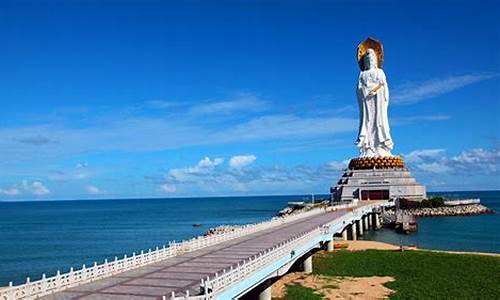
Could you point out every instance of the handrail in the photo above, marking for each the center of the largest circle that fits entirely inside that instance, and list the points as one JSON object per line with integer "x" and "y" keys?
{"x": 222, "y": 281}
{"x": 59, "y": 282}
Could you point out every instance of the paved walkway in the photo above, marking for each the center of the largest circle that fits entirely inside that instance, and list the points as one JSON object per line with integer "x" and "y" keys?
{"x": 184, "y": 272}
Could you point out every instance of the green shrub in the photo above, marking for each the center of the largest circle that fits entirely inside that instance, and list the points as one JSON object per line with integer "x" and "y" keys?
{"x": 431, "y": 202}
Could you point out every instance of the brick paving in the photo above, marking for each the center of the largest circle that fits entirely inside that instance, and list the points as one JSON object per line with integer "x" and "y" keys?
{"x": 184, "y": 272}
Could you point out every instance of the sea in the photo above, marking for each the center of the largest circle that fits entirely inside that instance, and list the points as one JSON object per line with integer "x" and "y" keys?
{"x": 45, "y": 236}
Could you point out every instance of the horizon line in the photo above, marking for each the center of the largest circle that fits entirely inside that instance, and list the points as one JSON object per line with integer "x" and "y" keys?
{"x": 209, "y": 197}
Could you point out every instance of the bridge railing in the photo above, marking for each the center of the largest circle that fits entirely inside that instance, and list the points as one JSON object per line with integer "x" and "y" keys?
{"x": 221, "y": 281}
{"x": 59, "y": 282}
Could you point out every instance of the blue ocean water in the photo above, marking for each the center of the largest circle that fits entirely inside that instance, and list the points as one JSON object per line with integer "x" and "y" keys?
{"x": 462, "y": 233}
{"x": 38, "y": 237}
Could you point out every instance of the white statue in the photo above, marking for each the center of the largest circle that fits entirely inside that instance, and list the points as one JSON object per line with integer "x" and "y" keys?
{"x": 374, "y": 138}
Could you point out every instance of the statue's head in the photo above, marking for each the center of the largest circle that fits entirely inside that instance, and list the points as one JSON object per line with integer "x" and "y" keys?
{"x": 370, "y": 59}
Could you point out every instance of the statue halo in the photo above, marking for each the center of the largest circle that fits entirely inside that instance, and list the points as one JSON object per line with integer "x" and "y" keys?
{"x": 376, "y": 46}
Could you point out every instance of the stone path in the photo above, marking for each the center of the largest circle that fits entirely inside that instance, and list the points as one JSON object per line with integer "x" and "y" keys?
{"x": 184, "y": 272}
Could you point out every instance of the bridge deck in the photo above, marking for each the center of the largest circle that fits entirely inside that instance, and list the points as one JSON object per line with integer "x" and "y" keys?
{"x": 184, "y": 272}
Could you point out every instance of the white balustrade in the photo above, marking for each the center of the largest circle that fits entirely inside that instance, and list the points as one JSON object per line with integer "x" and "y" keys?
{"x": 221, "y": 282}
{"x": 59, "y": 282}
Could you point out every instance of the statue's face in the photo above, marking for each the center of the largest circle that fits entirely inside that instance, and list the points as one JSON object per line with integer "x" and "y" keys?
{"x": 370, "y": 59}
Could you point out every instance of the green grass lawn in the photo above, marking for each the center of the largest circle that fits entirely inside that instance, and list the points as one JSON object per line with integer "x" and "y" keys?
{"x": 298, "y": 292}
{"x": 419, "y": 274}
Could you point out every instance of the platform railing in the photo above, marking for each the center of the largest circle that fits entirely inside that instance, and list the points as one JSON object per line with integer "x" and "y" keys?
{"x": 48, "y": 285}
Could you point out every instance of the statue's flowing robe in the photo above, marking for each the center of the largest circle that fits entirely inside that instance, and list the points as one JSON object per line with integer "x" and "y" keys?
{"x": 374, "y": 138}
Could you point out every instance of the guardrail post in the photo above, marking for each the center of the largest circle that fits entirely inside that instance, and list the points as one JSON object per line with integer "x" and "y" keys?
{"x": 10, "y": 295}
{"x": 44, "y": 282}
{"x": 84, "y": 272}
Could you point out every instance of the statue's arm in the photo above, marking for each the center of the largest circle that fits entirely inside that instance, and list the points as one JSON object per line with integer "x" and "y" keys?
{"x": 362, "y": 90}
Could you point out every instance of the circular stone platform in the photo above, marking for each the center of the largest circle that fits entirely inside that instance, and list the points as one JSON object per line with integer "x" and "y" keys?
{"x": 386, "y": 162}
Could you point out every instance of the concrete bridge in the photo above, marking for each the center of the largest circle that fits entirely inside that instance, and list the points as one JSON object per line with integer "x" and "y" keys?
{"x": 241, "y": 264}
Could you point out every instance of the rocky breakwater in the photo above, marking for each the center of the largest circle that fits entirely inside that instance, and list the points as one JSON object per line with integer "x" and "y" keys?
{"x": 223, "y": 229}
{"x": 458, "y": 210}
{"x": 300, "y": 207}
{"x": 292, "y": 208}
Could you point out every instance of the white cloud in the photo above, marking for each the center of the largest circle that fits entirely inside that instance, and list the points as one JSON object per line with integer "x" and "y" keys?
{"x": 203, "y": 167}
{"x": 114, "y": 132}
{"x": 168, "y": 188}
{"x": 9, "y": 191}
{"x": 434, "y": 167}
{"x": 161, "y": 104}
{"x": 244, "y": 103}
{"x": 285, "y": 127}
{"x": 77, "y": 174}
{"x": 35, "y": 188}
{"x": 416, "y": 92}
{"x": 258, "y": 179}
{"x": 81, "y": 165}
{"x": 207, "y": 163}
{"x": 418, "y": 156}
{"x": 92, "y": 189}
{"x": 337, "y": 165}
{"x": 413, "y": 119}
{"x": 240, "y": 161}
{"x": 475, "y": 161}
{"x": 81, "y": 175}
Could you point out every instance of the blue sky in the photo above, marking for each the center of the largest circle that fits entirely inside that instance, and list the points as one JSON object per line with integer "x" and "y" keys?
{"x": 102, "y": 99}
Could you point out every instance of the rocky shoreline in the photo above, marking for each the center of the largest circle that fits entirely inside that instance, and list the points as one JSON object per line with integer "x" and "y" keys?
{"x": 292, "y": 209}
{"x": 222, "y": 229}
{"x": 458, "y": 210}
{"x": 440, "y": 211}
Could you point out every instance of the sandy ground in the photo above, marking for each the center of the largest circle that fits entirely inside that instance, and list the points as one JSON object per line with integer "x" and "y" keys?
{"x": 463, "y": 252}
{"x": 365, "y": 245}
{"x": 336, "y": 288}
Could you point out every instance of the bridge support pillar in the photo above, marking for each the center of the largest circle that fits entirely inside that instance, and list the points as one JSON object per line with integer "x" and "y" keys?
{"x": 376, "y": 220}
{"x": 266, "y": 293}
{"x": 360, "y": 226}
{"x": 308, "y": 264}
{"x": 354, "y": 231}
{"x": 369, "y": 218}
{"x": 365, "y": 223}
{"x": 344, "y": 234}
{"x": 329, "y": 245}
